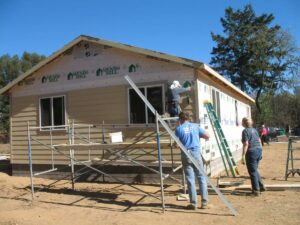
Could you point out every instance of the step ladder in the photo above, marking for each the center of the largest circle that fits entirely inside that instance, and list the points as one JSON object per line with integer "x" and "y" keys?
{"x": 221, "y": 141}
{"x": 182, "y": 147}
{"x": 290, "y": 157}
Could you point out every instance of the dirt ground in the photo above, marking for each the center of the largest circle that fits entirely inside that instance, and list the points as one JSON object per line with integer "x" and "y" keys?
{"x": 112, "y": 204}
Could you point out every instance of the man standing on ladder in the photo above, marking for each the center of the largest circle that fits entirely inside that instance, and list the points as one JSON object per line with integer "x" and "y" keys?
{"x": 189, "y": 134}
{"x": 174, "y": 98}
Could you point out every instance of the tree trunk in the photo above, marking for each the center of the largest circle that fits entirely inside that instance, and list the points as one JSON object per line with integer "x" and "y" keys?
{"x": 257, "y": 102}
{"x": 242, "y": 84}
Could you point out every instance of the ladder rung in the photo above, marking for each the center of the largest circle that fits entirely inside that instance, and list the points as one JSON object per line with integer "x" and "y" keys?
{"x": 221, "y": 139}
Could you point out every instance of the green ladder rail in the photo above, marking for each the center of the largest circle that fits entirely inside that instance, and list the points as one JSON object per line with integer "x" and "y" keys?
{"x": 290, "y": 157}
{"x": 221, "y": 141}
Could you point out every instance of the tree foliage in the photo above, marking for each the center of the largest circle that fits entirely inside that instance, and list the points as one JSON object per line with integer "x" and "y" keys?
{"x": 279, "y": 109}
{"x": 10, "y": 68}
{"x": 253, "y": 54}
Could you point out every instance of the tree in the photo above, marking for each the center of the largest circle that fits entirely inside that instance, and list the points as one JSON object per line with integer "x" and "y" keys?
{"x": 11, "y": 68}
{"x": 257, "y": 57}
{"x": 279, "y": 109}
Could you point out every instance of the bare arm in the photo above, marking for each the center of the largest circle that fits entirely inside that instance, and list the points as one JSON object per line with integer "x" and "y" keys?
{"x": 245, "y": 147}
{"x": 205, "y": 135}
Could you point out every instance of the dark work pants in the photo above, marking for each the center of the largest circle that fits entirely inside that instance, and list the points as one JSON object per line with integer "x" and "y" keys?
{"x": 252, "y": 160}
{"x": 174, "y": 109}
{"x": 264, "y": 139}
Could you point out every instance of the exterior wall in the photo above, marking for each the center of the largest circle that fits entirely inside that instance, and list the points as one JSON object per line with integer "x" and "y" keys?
{"x": 90, "y": 77}
{"x": 92, "y": 106}
{"x": 95, "y": 92}
{"x": 103, "y": 67}
{"x": 23, "y": 110}
{"x": 81, "y": 109}
{"x": 230, "y": 120}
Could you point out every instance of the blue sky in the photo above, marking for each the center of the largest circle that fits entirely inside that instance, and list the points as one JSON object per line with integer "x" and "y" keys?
{"x": 177, "y": 27}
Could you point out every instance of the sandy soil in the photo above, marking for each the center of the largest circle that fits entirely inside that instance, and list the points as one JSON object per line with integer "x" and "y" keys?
{"x": 112, "y": 204}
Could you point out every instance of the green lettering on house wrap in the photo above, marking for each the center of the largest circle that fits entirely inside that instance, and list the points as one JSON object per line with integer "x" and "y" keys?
{"x": 77, "y": 74}
{"x": 106, "y": 71}
{"x": 50, "y": 78}
{"x": 28, "y": 81}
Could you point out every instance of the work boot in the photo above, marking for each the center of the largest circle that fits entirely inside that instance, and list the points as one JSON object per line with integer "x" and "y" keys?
{"x": 263, "y": 188}
{"x": 191, "y": 207}
{"x": 204, "y": 206}
{"x": 255, "y": 193}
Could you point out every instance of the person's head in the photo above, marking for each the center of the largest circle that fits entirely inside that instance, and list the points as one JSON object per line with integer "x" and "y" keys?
{"x": 247, "y": 122}
{"x": 184, "y": 116}
{"x": 175, "y": 84}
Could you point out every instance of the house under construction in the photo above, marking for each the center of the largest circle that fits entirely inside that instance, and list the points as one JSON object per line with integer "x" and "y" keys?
{"x": 82, "y": 87}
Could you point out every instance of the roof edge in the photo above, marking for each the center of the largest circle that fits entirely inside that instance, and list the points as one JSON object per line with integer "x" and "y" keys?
{"x": 143, "y": 51}
{"x": 225, "y": 81}
{"x": 160, "y": 55}
{"x": 40, "y": 65}
{"x": 187, "y": 62}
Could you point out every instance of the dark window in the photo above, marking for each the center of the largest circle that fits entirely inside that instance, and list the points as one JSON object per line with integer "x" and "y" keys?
{"x": 216, "y": 103}
{"x": 248, "y": 112}
{"x": 137, "y": 107}
{"x": 138, "y": 113}
{"x": 52, "y": 112}
{"x": 45, "y": 112}
{"x": 214, "y": 100}
{"x": 155, "y": 97}
{"x": 236, "y": 113}
{"x": 58, "y": 111}
{"x": 218, "y": 106}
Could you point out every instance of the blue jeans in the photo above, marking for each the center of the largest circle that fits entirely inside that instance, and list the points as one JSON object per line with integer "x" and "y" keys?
{"x": 174, "y": 109}
{"x": 191, "y": 172}
{"x": 252, "y": 160}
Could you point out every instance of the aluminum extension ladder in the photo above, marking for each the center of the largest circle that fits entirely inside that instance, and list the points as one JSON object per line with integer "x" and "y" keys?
{"x": 290, "y": 157}
{"x": 182, "y": 147}
{"x": 221, "y": 141}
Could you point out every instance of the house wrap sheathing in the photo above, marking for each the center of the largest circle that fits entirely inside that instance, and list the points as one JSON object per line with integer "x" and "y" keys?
{"x": 84, "y": 83}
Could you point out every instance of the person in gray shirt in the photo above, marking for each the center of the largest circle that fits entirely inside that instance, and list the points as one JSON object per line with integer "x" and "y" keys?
{"x": 252, "y": 154}
{"x": 174, "y": 98}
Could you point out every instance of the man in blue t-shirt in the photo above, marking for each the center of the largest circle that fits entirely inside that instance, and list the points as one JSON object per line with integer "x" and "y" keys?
{"x": 189, "y": 134}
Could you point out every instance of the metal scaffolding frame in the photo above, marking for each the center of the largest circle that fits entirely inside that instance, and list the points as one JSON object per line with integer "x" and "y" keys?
{"x": 182, "y": 147}
{"x": 124, "y": 155}
{"x": 75, "y": 140}
{"x": 290, "y": 169}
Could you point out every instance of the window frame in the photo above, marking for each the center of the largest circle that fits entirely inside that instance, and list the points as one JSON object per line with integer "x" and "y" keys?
{"x": 216, "y": 98}
{"x": 52, "y": 114}
{"x": 236, "y": 110}
{"x": 146, "y": 110}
